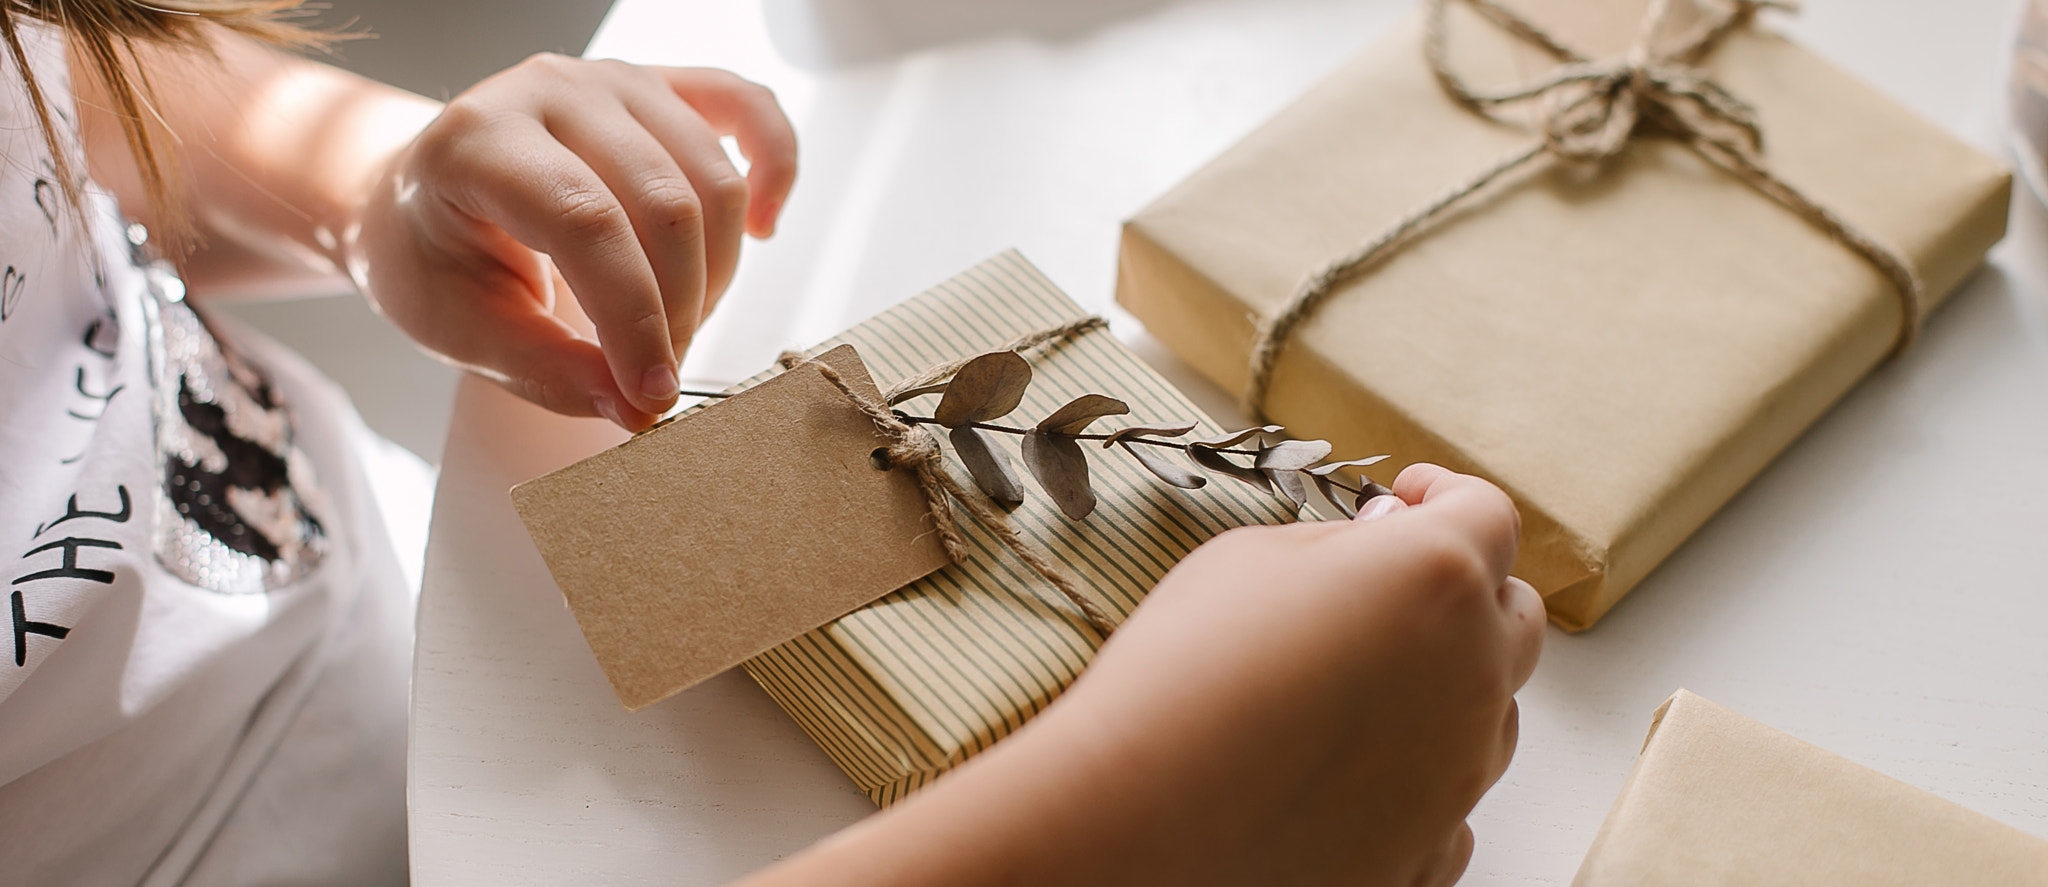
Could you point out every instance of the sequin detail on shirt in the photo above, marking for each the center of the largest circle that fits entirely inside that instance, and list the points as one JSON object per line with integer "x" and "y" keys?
{"x": 236, "y": 507}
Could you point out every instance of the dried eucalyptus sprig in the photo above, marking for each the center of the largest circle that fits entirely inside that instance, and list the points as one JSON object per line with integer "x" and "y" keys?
{"x": 992, "y": 386}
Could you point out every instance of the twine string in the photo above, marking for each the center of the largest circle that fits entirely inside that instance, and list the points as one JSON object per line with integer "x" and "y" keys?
{"x": 1590, "y": 113}
{"x": 915, "y": 448}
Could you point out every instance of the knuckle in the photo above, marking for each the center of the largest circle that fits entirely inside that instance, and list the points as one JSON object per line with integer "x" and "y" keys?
{"x": 1471, "y": 785}
{"x": 539, "y": 389}
{"x": 650, "y": 323}
{"x": 736, "y": 87}
{"x": 718, "y": 78}
{"x": 1450, "y": 564}
{"x": 754, "y": 92}
{"x": 1503, "y": 506}
{"x": 465, "y": 112}
{"x": 673, "y": 206}
{"x": 441, "y": 142}
{"x": 728, "y": 191}
{"x": 591, "y": 216}
{"x": 648, "y": 76}
{"x": 549, "y": 62}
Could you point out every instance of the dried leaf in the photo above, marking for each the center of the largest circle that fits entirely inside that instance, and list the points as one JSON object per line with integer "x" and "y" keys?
{"x": 1369, "y": 491}
{"x": 1075, "y": 416}
{"x": 1166, "y": 470}
{"x": 1230, "y": 439}
{"x": 1062, "y": 470}
{"x": 990, "y": 467}
{"x": 1218, "y": 463}
{"x": 1328, "y": 468}
{"x": 987, "y": 388}
{"x": 1338, "y": 496}
{"x": 1287, "y": 483}
{"x": 1121, "y": 434}
{"x": 1291, "y": 455}
{"x": 934, "y": 388}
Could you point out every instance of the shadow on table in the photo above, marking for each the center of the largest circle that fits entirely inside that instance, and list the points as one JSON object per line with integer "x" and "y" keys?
{"x": 836, "y": 33}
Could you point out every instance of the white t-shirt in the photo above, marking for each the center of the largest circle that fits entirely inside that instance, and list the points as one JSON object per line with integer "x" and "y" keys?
{"x": 203, "y": 672}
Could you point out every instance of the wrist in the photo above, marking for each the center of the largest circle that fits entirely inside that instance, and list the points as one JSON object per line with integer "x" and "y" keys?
{"x": 361, "y": 214}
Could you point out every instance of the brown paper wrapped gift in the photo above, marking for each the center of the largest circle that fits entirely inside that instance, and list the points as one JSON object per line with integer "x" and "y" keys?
{"x": 1718, "y": 799}
{"x": 1621, "y": 345}
{"x": 901, "y": 690}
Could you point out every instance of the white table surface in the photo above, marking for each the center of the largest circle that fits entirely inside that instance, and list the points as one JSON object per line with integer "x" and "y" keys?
{"x": 1879, "y": 591}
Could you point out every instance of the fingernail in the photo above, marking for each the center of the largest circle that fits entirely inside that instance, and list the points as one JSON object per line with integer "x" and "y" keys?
{"x": 660, "y": 383}
{"x": 607, "y": 409}
{"x": 1379, "y": 507}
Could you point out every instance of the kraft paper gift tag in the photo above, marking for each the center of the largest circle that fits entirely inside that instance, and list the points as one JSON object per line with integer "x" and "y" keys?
{"x": 1621, "y": 348}
{"x": 1719, "y": 800}
{"x": 692, "y": 548}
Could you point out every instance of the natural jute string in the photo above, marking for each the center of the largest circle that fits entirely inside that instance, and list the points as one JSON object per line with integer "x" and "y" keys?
{"x": 915, "y": 448}
{"x": 1591, "y": 111}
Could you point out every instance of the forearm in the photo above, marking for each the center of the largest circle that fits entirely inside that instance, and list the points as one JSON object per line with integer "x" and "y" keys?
{"x": 1091, "y": 792}
{"x": 275, "y": 156}
{"x": 1007, "y": 817}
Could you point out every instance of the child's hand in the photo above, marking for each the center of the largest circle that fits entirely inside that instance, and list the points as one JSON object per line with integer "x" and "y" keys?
{"x": 1321, "y": 703}
{"x": 613, "y": 171}
{"x": 1313, "y": 704}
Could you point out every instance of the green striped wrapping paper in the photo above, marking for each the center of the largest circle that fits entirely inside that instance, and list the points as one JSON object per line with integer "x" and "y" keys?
{"x": 901, "y": 690}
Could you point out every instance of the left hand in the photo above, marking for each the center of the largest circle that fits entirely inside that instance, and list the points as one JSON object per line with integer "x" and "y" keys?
{"x": 601, "y": 179}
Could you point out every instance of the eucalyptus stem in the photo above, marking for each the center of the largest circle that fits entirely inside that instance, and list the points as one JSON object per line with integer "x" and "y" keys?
{"x": 1020, "y": 432}
{"x": 1169, "y": 444}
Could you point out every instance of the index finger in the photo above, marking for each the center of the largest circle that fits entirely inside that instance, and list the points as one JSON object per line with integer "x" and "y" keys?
{"x": 544, "y": 196}
{"x": 749, "y": 113}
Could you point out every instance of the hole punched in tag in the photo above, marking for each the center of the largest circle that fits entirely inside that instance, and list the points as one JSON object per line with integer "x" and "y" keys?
{"x": 880, "y": 459}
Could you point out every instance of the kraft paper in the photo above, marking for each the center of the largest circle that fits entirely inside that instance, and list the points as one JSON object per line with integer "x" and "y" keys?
{"x": 706, "y": 541}
{"x": 1621, "y": 348}
{"x": 1719, "y": 800}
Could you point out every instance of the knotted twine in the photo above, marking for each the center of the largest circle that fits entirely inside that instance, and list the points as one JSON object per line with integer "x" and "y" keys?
{"x": 914, "y": 447}
{"x": 1591, "y": 112}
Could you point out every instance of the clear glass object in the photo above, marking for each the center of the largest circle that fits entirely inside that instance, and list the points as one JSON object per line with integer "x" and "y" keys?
{"x": 2028, "y": 99}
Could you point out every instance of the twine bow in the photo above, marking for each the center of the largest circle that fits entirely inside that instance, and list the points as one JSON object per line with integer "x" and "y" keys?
{"x": 915, "y": 448}
{"x": 1590, "y": 111}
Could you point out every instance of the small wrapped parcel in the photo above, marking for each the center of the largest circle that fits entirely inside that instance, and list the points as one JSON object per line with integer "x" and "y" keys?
{"x": 1614, "y": 260}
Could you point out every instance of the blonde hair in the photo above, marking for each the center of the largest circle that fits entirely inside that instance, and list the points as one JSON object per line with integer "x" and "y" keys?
{"x": 104, "y": 35}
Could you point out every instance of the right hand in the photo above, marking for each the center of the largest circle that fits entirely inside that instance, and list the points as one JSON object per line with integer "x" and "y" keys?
{"x": 1314, "y": 704}
{"x": 1320, "y": 703}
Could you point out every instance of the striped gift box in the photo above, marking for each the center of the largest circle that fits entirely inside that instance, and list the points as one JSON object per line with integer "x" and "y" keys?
{"x": 901, "y": 690}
